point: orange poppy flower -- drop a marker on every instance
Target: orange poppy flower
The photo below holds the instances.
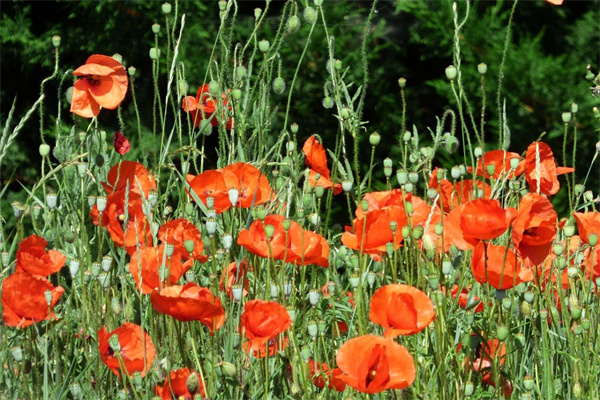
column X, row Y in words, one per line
column 177, row 232
column 190, row 303
column 127, row 174
column 485, row 354
column 465, row 299
column 150, row 259
column 322, row 376
column 136, row 349
column 295, row 246
column 175, row 386
column 485, row 219
column 587, row 223
column 372, row 364
column 316, row 161
column 455, row 194
column 500, row 160
column 32, row 257
column 534, row 229
column 498, row 266
column 135, row 231
column 555, row 2
column 401, row 310
column 24, row 300
column 270, row 347
column 253, row 187
column 203, row 106
column 211, row 183
column 102, row 83
column 262, row 320
column 542, row 177
column 233, row 274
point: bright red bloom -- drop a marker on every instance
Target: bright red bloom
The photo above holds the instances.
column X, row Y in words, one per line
column 136, row 349
column 127, row 174
column 534, row 229
column 500, row 160
column 485, row 219
column 252, row 185
column 135, row 231
column 234, row 274
column 177, row 232
column 455, row 194
column 150, row 259
column 587, row 223
column 32, row 257
column 120, row 143
column 211, row 183
column 24, row 301
column 485, row 354
column 322, row 376
column 262, row 321
column 190, row 303
column 542, row 176
column 316, row 161
column 498, row 266
column 466, row 300
column 204, row 106
column 401, row 310
column 175, row 386
column 295, row 246
column 372, row 364
column 102, row 83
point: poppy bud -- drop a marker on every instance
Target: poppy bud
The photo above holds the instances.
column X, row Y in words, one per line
column 446, row 267
column 408, row 188
column 374, row 139
column 588, row 195
column 478, row 152
column 17, row 353
column 408, row 206
column 566, row 117
column 312, row 328
column 211, row 225
column 166, row 8
column 51, row 200
column 75, row 390
column 576, row 312
column 387, row 162
column 154, row 53
column 269, row 231
column 131, row 71
column 345, row 113
column 113, row 342
column 314, row 295
column 402, row 176
column 56, row 41
column 155, row 28
column 190, row 276
column 452, row 144
column 106, row 263
column 451, row 72
column 101, row 203
column 469, row 389
column 44, row 149
column 501, row 332
column 310, row 15
column 319, row 191
column 528, row 382
column 354, row 280
column 293, row 24
column 434, row 281
column 569, row 230
column 264, row 45
column 481, row 68
column 402, row 83
column 104, row 279
column 328, row 102
column 507, row 303
column 593, row 239
column 389, row 248
column 222, row 5
column 405, row 231
column 305, row 352
column 438, row 228
column 257, row 13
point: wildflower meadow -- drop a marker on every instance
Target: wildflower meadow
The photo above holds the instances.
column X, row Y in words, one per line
column 199, row 242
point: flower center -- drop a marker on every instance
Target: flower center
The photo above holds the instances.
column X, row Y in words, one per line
column 94, row 80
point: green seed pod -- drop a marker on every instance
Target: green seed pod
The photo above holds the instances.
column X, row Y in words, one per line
column 56, row 41
column 44, row 149
column 278, row 85
column 481, row 68
column 264, row 45
column 451, row 72
column 566, row 117
column 374, row 139
column 166, row 8
column 328, row 102
column 402, row 83
column 155, row 28
column 293, row 24
column 154, row 53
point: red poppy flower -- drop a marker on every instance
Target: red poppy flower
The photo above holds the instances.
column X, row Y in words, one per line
column 136, row 349
column 211, row 184
column 316, row 160
column 534, row 229
column 32, row 257
column 455, row 194
column 127, row 174
column 322, row 376
column 270, row 347
column 540, row 169
column 485, row 354
column 120, row 143
column 128, row 235
column 401, row 310
column 151, row 259
column 203, row 106
column 555, row 2
column 295, row 246
column 177, row 232
column 175, row 386
column 253, row 186
column 234, row 274
column 372, row 364
column 24, row 299
column 500, row 160
column 102, row 83
column 587, row 223
column 465, row 299
column 262, row 320
column 498, row 266
column 190, row 303
column 485, row 219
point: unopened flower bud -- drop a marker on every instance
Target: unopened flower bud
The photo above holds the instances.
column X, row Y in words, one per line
column 566, row 117
column 293, row 24
column 264, row 45
column 402, row 83
column 481, row 68
column 374, row 139
column 154, row 53
column 51, row 200
column 257, row 13
column 166, row 8
column 155, row 28
column 192, row 383
column 451, row 72
column 310, row 15
column 56, row 41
